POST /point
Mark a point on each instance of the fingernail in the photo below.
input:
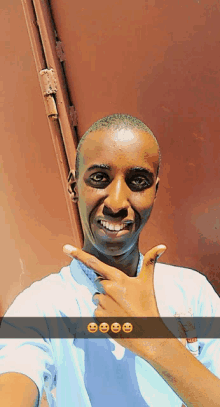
(162, 246)
(68, 249)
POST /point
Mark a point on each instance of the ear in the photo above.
(157, 186)
(72, 188)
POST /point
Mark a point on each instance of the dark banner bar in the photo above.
(65, 327)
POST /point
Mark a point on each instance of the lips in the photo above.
(104, 225)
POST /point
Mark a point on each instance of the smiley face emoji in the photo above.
(127, 327)
(104, 327)
(115, 327)
(92, 327)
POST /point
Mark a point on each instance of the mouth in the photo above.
(115, 229)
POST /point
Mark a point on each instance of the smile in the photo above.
(114, 230)
(112, 227)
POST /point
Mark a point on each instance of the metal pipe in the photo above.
(47, 33)
(40, 29)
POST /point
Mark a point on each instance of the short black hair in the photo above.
(115, 121)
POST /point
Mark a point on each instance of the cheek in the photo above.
(89, 197)
(85, 201)
(144, 204)
(144, 213)
(149, 195)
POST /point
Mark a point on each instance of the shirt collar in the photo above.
(92, 275)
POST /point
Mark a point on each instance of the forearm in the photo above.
(189, 378)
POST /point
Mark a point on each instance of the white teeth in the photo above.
(110, 226)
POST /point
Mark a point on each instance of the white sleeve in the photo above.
(33, 356)
(209, 347)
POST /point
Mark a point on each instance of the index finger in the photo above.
(108, 272)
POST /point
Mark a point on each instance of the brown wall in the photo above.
(156, 60)
(34, 215)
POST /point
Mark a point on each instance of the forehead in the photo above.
(124, 147)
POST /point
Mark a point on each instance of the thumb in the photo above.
(150, 259)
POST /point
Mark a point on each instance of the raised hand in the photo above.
(124, 295)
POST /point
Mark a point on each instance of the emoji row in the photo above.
(115, 327)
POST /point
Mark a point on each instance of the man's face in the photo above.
(116, 188)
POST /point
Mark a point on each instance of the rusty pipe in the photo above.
(40, 29)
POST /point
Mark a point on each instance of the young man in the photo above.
(115, 185)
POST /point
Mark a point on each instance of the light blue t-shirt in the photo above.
(99, 372)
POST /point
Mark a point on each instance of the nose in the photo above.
(117, 199)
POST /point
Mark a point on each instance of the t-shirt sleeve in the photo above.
(209, 344)
(31, 356)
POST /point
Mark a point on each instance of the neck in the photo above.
(127, 262)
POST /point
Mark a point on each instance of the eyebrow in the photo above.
(99, 167)
(109, 168)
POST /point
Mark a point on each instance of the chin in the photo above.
(114, 251)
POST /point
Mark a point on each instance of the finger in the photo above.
(116, 291)
(108, 286)
(149, 261)
(108, 272)
(110, 307)
(97, 299)
(99, 314)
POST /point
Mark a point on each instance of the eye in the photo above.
(140, 182)
(98, 177)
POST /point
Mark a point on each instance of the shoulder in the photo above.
(180, 275)
(44, 294)
(50, 284)
(178, 287)
(186, 288)
(58, 294)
